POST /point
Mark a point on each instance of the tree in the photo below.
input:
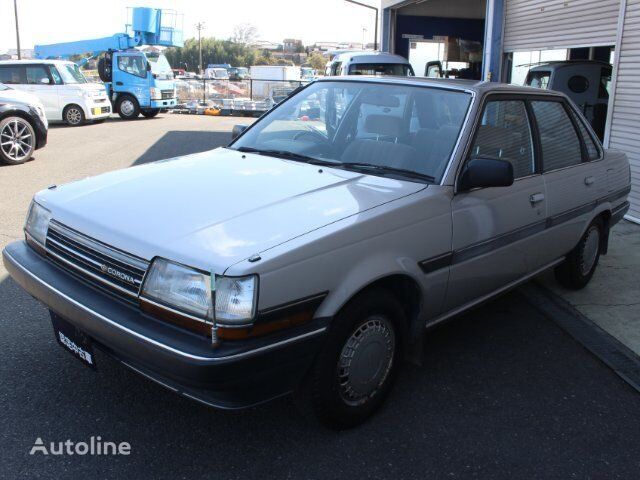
(317, 61)
(245, 34)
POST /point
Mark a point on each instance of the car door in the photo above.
(574, 178)
(41, 84)
(496, 230)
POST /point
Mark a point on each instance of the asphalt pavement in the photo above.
(503, 391)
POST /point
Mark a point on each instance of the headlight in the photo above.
(180, 287)
(236, 299)
(156, 93)
(37, 222)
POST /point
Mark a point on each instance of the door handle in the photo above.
(536, 198)
(119, 83)
(589, 180)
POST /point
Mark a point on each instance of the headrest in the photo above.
(383, 125)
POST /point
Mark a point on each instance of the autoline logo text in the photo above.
(95, 446)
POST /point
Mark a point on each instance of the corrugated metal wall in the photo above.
(625, 119)
(544, 24)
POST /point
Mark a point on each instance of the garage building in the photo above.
(500, 40)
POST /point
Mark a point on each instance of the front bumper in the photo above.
(232, 375)
(94, 110)
(166, 103)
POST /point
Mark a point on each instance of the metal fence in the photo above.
(250, 94)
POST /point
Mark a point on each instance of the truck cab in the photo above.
(138, 82)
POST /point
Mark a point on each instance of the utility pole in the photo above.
(15, 9)
(375, 38)
(200, 27)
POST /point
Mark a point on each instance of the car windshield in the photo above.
(399, 69)
(70, 73)
(377, 128)
(160, 66)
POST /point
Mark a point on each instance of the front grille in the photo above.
(95, 262)
(166, 94)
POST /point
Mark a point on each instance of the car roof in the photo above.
(477, 86)
(557, 64)
(32, 61)
(370, 56)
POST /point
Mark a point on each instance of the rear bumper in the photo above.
(232, 375)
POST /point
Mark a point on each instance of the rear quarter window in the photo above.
(13, 74)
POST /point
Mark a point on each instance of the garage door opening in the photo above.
(441, 37)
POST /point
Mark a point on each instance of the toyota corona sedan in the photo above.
(311, 254)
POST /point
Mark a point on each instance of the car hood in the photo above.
(17, 96)
(214, 209)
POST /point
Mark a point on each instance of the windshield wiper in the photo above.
(387, 169)
(288, 155)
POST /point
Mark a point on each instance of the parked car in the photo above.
(61, 87)
(23, 125)
(239, 73)
(216, 74)
(586, 82)
(369, 63)
(314, 252)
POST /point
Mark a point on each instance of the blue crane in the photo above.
(136, 81)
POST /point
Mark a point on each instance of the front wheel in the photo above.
(150, 113)
(128, 107)
(354, 372)
(17, 140)
(577, 269)
(73, 115)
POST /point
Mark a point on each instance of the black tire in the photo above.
(73, 115)
(369, 323)
(104, 68)
(17, 140)
(128, 107)
(577, 269)
(150, 112)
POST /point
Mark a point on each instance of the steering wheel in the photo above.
(310, 132)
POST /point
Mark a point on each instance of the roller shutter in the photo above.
(625, 120)
(545, 24)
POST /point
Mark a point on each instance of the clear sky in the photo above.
(51, 21)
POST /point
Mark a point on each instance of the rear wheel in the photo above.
(150, 112)
(354, 372)
(17, 140)
(73, 115)
(128, 107)
(580, 265)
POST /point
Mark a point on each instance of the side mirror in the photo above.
(237, 131)
(486, 172)
(44, 81)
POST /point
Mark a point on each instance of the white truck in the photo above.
(273, 82)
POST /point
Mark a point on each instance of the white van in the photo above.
(365, 62)
(61, 87)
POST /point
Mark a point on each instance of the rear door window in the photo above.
(558, 138)
(13, 74)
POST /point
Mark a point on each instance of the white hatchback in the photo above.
(62, 88)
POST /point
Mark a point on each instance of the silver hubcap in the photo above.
(74, 116)
(366, 360)
(590, 250)
(16, 140)
(126, 107)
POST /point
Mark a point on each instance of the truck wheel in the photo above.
(354, 372)
(73, 115)
(128, 107)
(579, 266)
(17, 140)
(150, 112)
